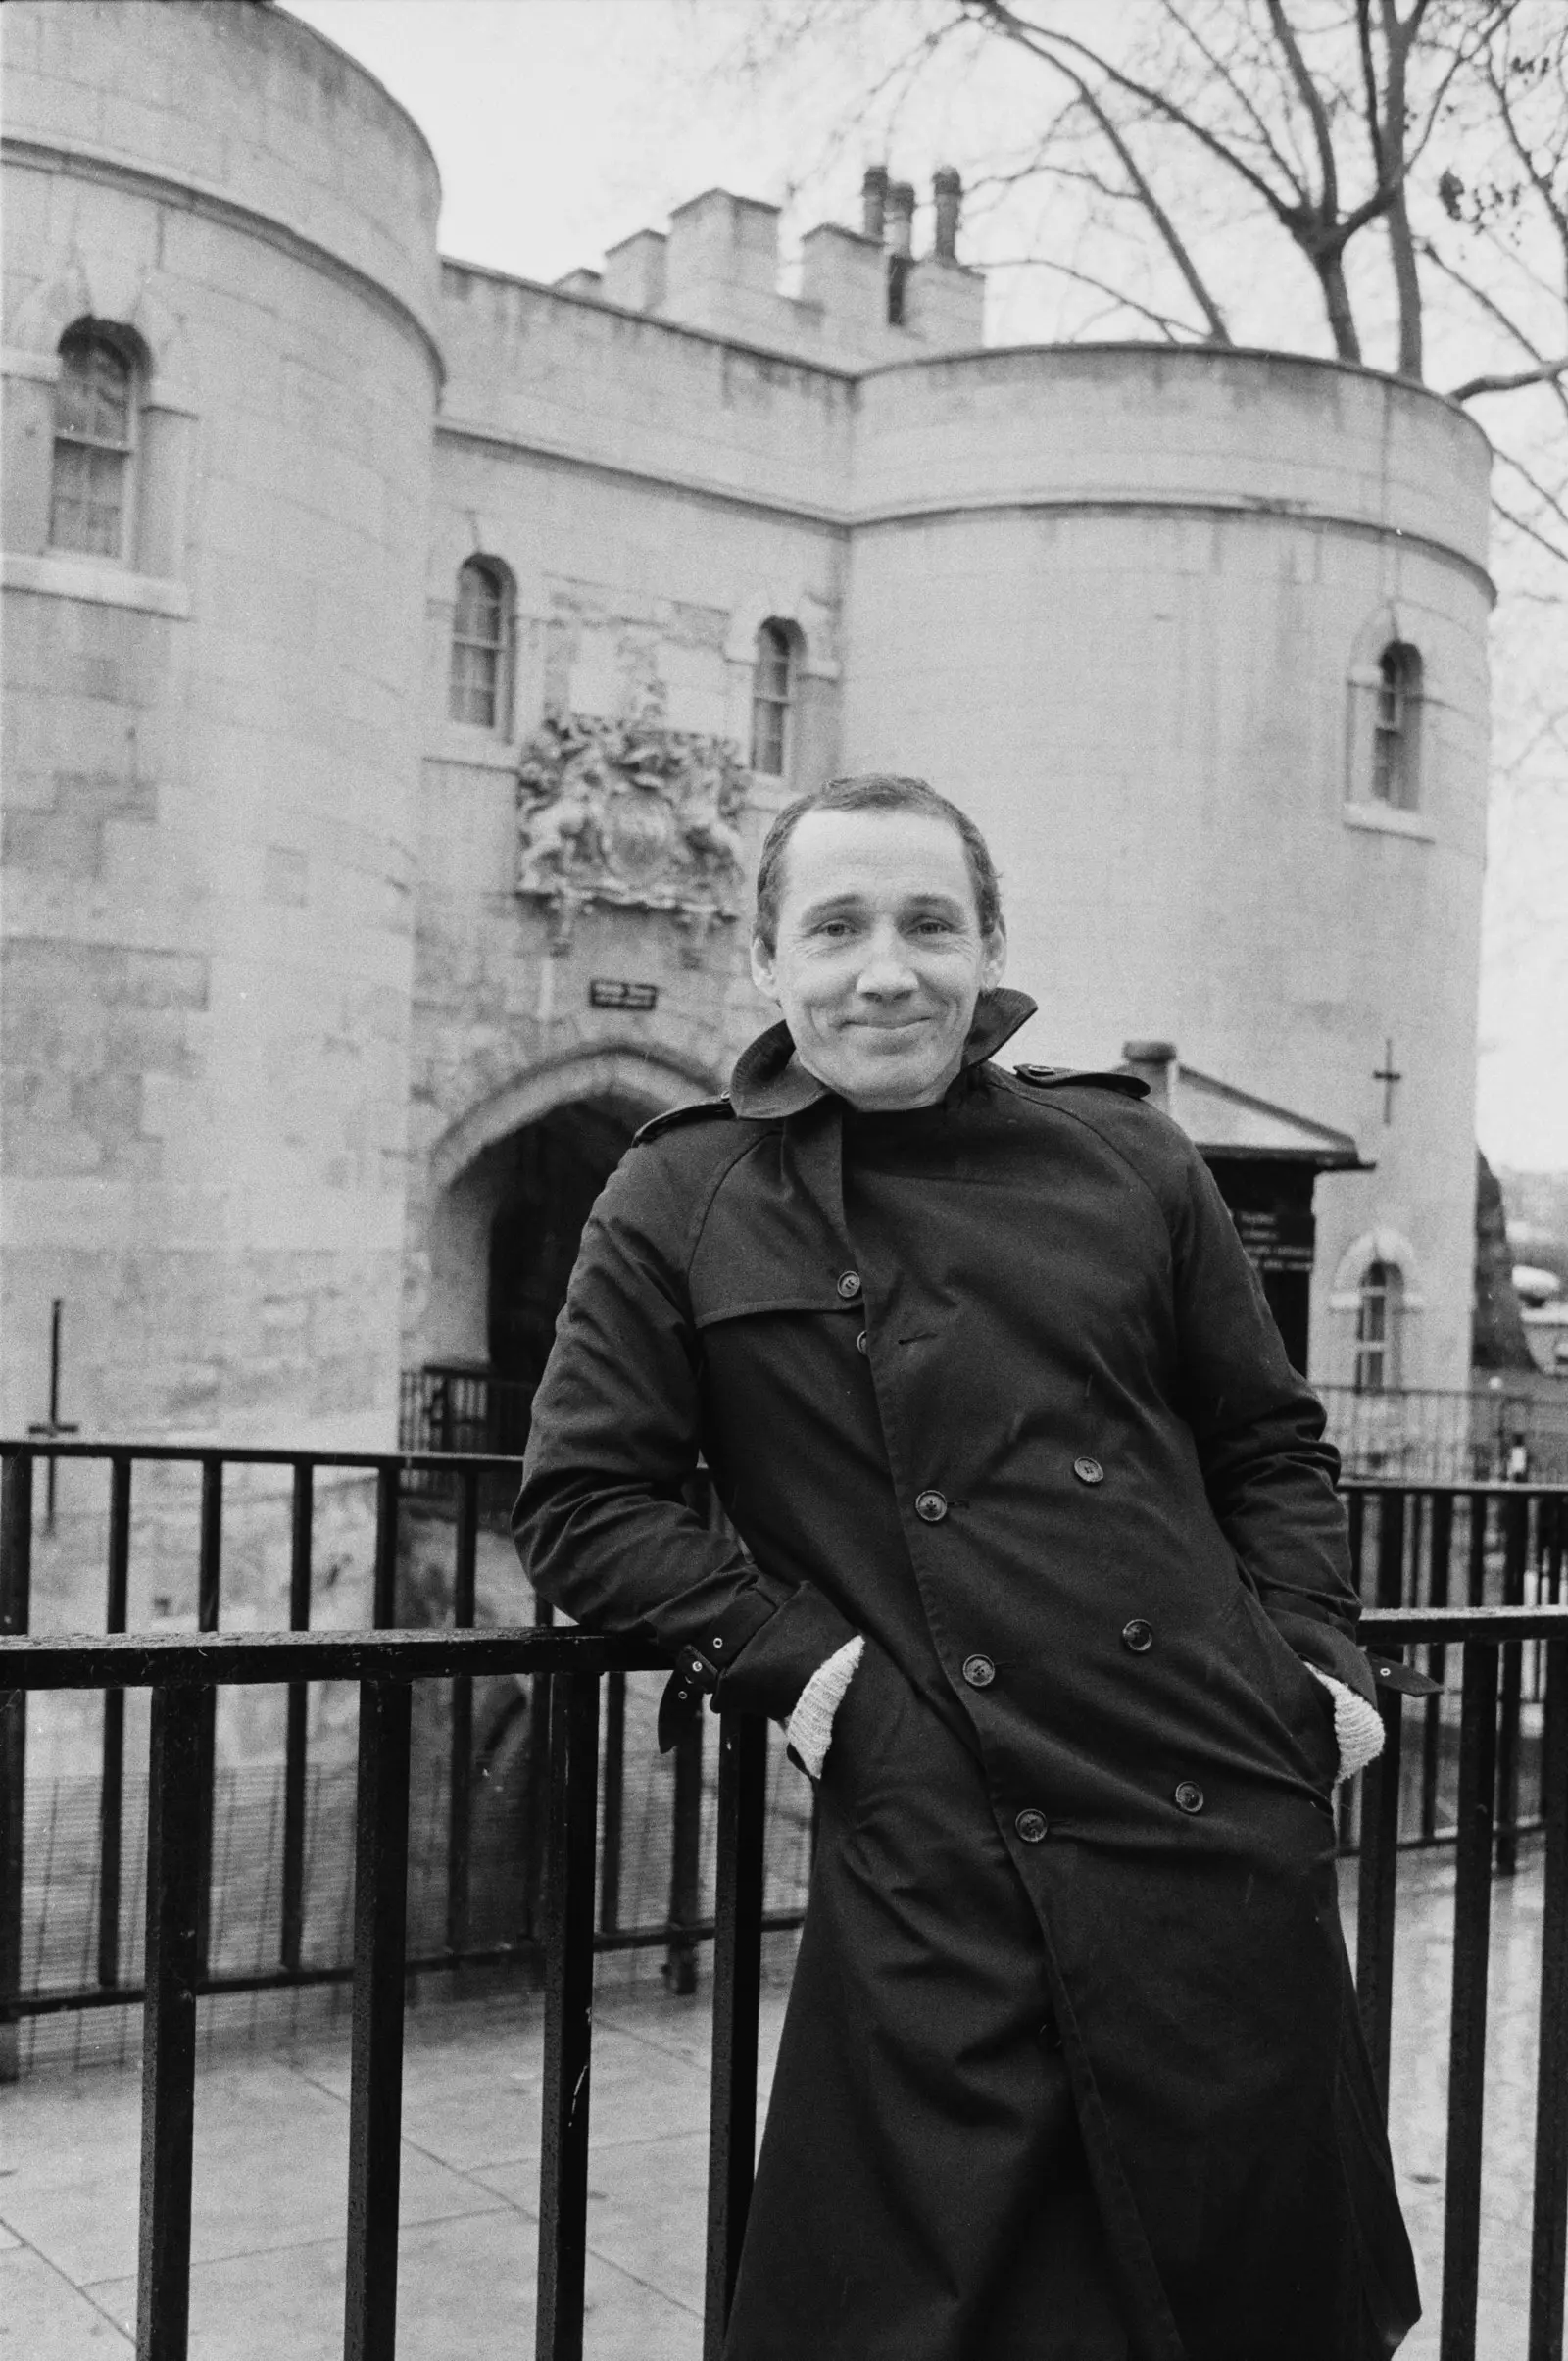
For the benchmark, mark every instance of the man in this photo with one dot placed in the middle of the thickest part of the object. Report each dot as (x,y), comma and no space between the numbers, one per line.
(1044,1563)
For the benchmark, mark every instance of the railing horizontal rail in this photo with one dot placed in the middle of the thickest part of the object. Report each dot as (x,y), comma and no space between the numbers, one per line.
(228,1660)
(243,1455)
(177,1659)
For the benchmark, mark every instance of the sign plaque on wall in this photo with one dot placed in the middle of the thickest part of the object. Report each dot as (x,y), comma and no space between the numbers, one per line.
(612,992)
(1280,1239)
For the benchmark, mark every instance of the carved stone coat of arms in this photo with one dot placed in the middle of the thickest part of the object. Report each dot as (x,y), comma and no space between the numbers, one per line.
(634,814)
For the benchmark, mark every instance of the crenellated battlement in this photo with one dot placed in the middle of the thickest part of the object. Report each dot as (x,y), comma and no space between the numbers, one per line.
(866,296)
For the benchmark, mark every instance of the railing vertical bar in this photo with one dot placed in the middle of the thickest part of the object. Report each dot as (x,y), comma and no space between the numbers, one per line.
(1377,1891)
(1515,1542)
(16,1610)
(1390,1549)
(685,1857)
(169,2023)
(208,1591)
(384,1606)
(376,2088)
(1467,2051)
(1478,1548)
(736,1985)
(569,2015)
(1549,2242)
(535,1813)
(1437,1662)
(112,1776)
(1356,1507)
(460,1782)
(291,1927)
(614,1803)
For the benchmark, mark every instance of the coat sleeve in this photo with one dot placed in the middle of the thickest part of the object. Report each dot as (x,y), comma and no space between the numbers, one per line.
(1269,1472)
(601,1524)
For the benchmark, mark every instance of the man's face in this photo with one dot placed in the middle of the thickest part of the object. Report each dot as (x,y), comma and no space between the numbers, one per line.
(879,959)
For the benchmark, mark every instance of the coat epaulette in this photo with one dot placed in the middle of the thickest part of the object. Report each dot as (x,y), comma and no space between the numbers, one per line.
(700,1110)
(1054,1077)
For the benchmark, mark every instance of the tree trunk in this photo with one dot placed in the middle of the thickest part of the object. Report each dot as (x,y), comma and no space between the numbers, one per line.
(1498,1333)
(1330,268)
(1401,247)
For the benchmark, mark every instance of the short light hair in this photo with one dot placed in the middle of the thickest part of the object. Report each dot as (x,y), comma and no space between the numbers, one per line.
(871,791)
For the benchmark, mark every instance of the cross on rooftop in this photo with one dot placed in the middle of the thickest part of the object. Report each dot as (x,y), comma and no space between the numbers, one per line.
(1388,1075)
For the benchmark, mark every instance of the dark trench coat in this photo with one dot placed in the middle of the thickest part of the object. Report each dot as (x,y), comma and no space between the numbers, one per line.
(1071,2067)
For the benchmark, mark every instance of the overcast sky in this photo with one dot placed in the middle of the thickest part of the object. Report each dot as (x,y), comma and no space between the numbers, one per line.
(563,125)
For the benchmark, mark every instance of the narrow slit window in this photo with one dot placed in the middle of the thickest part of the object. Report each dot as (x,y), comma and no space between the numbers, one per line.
(1395,727)
(772,689)
(94,429)
(481,648)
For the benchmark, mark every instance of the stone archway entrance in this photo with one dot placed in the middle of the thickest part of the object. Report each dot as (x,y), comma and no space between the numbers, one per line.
(550,1173)
(514,1182)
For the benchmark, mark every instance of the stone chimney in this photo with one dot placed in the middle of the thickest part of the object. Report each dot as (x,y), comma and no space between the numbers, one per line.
(874,201)
(901,218)
(1154,1062)
(948,191)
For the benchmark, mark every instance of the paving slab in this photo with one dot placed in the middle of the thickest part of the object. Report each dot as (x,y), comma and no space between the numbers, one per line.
(271,2131)
(44,2318)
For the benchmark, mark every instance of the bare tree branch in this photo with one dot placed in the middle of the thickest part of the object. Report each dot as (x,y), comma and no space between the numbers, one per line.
(1547,372)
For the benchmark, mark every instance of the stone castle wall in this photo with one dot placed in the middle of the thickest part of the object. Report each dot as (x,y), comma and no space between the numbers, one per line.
(211,739)
(272,995)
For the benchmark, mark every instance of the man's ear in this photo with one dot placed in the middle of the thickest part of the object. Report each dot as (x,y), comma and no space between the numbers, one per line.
(763,969)
(994,963)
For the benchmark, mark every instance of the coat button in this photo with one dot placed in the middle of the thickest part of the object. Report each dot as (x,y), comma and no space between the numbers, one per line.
(931,1506)
(1189,1796)
(1089,1471)
(1032,1827)
(849,1285)
(979,1671)
(1138,1635)
(860,1344)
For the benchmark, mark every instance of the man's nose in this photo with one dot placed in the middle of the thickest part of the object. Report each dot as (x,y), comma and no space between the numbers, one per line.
(886,973)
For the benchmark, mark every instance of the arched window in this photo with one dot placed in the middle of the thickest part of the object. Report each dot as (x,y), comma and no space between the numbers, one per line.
(95,423)
(1377,1329)
(772,690)
(481,648)
(1396,727)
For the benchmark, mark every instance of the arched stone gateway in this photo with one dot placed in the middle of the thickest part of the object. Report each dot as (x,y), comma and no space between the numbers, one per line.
(511,1184)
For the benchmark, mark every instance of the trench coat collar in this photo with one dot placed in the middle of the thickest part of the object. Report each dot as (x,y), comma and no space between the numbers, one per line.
(771,1083)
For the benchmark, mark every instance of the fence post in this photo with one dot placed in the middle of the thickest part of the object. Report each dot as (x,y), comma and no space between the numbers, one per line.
(1467,2044)
(460,1778)
(1515,1547)
(1377,1887)
(168,2020)
(291,1927)
(112,1780)
(685,1858)
(376,2074)
(1550,2231)
(737,1983)
(569,2016)
(16,1607)
(209,1578)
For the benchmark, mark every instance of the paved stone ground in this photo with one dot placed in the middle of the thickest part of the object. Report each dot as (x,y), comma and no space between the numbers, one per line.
(271,2141)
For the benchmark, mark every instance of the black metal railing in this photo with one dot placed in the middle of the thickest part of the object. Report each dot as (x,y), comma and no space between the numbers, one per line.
(674,1917)
(1452,1434)
(184,1671)
(456,1406)
(1494,1775)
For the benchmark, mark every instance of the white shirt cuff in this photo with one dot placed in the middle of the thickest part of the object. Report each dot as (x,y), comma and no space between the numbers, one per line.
(810,1728)
(1357,1726)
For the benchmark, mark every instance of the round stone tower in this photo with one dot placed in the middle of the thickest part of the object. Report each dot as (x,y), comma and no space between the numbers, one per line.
(221,275)
(1200,638)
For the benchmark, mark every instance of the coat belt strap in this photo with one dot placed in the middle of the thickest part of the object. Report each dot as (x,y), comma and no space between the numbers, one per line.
(699,1669)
